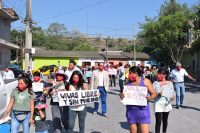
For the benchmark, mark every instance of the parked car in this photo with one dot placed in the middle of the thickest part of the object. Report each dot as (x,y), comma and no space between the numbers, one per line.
(6,87)
(46,70)
(14,66)
(17,72)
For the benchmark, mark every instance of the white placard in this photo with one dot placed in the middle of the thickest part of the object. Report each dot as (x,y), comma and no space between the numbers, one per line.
(37,87)
(135,95)
(168,93)
(5,120)
(61,87)
(74,98)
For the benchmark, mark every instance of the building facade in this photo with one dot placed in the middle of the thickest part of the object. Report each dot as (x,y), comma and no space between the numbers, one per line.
(7,16)
(43,57)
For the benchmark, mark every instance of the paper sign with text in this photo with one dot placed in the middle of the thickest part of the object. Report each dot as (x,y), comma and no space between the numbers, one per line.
(74,98)
(135,95)
(37,87)
(60,87)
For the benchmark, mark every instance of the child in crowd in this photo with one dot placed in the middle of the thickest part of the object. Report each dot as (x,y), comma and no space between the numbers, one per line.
(41,89)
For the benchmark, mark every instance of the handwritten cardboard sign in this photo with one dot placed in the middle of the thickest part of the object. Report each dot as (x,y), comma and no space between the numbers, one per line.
(37,87)
(135,95)
(59,87)
(74,98)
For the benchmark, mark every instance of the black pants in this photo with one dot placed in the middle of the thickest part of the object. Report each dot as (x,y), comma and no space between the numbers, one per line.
(161,117)
(88,78)
(112,80)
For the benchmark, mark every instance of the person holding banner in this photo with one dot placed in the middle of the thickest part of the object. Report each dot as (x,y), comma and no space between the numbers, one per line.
(77,83)
(57,111)
(165,89)
(40,89)
(100,81)
(138,116)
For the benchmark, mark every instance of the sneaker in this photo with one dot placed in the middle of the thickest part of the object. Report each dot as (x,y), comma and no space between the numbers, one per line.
(105,115)
(177,107)
(181,106)
(94,113)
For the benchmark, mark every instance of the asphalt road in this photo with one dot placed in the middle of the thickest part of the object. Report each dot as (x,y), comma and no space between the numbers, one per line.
(183,120)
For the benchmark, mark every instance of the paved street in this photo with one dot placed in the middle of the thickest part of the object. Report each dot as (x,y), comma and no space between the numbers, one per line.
(184,120)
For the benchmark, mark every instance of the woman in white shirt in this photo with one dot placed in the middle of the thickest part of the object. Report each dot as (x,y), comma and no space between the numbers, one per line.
(77,83)
(165,89)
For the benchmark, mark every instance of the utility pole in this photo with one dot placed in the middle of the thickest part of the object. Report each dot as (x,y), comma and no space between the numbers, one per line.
(134,52)
(28,40)
(106,50)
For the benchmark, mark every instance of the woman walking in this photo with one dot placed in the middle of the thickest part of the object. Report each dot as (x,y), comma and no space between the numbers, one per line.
(22,105)
(164,88)
(138,117)
(77,83)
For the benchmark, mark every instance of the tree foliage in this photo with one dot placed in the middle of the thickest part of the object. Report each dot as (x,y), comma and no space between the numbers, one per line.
(55,38)
(57,29)
(167,34)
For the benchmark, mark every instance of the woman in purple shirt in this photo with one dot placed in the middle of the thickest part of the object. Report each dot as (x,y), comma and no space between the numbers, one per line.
(138,117)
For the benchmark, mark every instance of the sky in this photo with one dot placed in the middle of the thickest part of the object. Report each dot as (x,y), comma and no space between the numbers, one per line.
(113,18)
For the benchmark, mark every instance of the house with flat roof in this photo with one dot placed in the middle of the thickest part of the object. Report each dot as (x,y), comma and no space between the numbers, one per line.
(7,16)
(43,57)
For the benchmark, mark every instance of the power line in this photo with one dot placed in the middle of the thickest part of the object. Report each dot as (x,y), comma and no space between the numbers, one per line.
(5,5)
(75,10)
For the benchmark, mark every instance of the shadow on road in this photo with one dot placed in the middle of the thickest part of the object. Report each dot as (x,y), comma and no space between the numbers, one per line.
(187,107)
(124,125)
(113,93)
(192,89)
(116,90)
(90,110)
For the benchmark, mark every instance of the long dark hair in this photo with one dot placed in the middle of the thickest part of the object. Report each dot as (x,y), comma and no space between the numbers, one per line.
(28,82)
(164,72)
(136,69)
(81,80)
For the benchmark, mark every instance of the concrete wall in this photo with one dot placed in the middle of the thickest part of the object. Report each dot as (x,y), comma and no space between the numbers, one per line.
(5,55)
(5,30)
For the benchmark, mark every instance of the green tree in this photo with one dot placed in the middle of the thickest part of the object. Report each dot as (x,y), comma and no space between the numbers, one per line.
(57,29)
(168,34)
(38,37)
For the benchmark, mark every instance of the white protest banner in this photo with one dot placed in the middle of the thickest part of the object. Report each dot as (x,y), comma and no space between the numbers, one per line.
(37,87)
(74,98)
(5,120)
(135,95)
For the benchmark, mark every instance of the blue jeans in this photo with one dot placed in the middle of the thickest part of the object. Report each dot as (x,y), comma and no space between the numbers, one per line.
(103,100)
(15,124)
(180,92)
(46,131)
(81,120)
